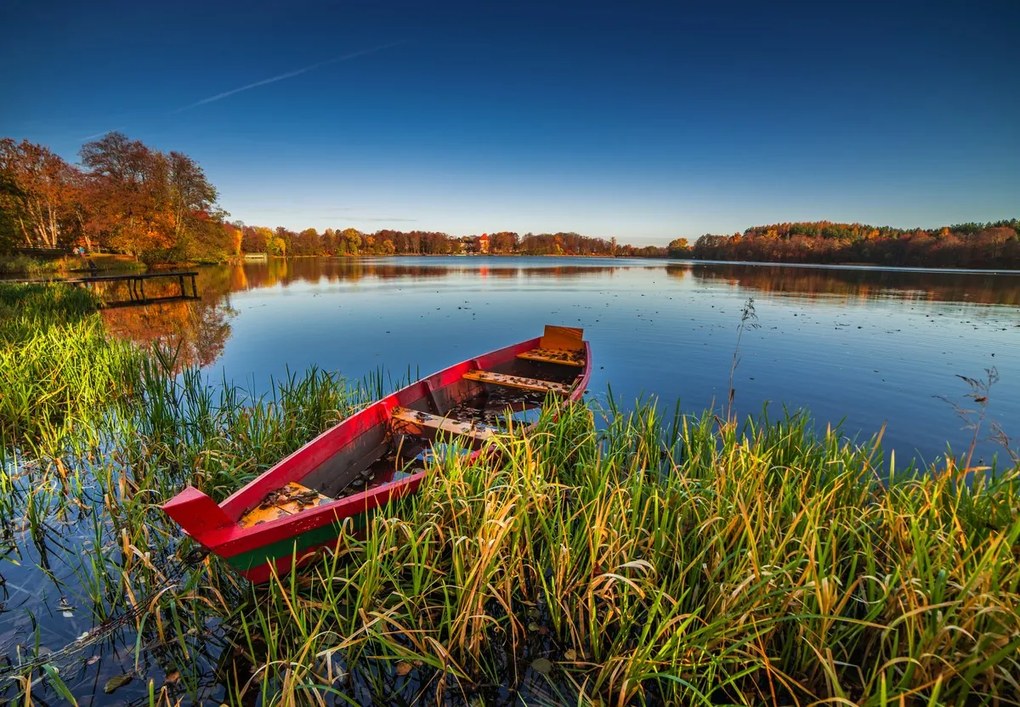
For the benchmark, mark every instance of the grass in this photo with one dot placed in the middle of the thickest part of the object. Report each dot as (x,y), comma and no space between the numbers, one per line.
(25,265)
(756,567)
(608,558)
(56,364)
(41,267)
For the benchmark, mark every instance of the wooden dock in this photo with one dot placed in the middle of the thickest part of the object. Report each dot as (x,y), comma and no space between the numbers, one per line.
(135,285)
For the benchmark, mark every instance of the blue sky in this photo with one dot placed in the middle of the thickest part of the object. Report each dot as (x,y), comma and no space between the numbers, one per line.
(644,121)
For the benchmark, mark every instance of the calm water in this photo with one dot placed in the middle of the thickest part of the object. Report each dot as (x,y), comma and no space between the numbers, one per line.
(863,346)
(866,346)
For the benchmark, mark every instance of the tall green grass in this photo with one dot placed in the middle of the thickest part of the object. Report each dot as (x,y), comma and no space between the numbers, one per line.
(57,366)
(607,557)
(621,565)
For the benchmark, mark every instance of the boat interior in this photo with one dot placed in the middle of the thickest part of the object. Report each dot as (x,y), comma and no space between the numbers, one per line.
(435,418)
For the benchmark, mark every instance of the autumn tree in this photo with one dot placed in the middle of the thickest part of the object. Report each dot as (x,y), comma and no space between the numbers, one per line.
(194,219)
(150,204)
(38,195)
(503,242)
(256,239)
(329,242)
(126,188)
(962,245)
(349,242)
(679,248)
(307,242)
(235,235)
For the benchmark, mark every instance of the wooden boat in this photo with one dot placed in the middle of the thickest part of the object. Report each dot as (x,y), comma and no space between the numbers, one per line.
(379,454)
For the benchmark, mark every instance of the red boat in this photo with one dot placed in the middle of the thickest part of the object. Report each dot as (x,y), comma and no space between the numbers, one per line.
(380,454)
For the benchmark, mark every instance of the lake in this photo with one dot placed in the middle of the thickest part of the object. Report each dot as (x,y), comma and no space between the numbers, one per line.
(863,347)
(857,346)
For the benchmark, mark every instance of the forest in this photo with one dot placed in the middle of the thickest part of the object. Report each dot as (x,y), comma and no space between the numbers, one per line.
(967,245)
(352,242)
(159,207)
(126,197)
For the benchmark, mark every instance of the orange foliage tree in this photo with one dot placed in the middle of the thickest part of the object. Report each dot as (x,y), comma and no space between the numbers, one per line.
(39,195)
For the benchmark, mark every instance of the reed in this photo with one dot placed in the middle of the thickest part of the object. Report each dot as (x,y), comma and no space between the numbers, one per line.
(612,557)
(769,566)
(57,366)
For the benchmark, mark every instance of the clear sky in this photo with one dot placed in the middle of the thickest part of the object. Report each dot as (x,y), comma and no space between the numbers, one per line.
(644,121)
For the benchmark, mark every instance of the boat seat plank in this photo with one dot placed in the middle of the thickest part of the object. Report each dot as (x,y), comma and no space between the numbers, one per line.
(416,421)
(534,384)
(287,501)
(564,357)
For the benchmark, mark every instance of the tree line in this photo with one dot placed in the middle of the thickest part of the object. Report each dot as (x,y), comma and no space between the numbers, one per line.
(125,197)
(967,245)
(352,242)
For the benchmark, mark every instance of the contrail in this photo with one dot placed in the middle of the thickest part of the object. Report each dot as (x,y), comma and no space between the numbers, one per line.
(99,135)
(288,75)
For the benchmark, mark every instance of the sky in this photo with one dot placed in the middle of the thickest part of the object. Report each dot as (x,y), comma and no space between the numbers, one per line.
(644,121)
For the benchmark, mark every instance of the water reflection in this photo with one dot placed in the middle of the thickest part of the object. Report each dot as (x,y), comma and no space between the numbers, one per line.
(859,283)
(278,271)
(197,329)
(201,329)
(874,348)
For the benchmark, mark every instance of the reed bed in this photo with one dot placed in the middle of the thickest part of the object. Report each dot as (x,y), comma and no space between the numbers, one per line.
(609,557)
(57,365)
(618,566)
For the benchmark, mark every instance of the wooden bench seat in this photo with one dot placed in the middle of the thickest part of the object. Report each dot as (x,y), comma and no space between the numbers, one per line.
(564,357)
(417,422)
(509,381)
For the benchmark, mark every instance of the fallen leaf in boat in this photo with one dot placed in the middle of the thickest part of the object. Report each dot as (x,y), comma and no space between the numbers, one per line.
(403,668)
(117,681)
(541,665)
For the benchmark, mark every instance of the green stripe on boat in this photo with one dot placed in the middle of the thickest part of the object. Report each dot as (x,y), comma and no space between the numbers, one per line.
(264,554)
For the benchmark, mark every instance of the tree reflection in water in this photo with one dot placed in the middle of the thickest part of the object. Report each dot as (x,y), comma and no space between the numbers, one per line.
(281,271)
(198,329)
(856,282)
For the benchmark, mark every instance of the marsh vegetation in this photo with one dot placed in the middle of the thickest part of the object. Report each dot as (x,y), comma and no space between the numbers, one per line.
(613,556)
